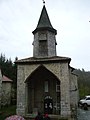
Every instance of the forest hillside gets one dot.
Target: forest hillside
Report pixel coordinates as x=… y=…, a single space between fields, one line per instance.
x=83 y=82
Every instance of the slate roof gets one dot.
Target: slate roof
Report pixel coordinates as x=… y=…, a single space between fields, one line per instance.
x=6 y=79
x=43 y=60
x=44 y=22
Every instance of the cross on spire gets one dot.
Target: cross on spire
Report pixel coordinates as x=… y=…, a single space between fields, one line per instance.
x=43 y=2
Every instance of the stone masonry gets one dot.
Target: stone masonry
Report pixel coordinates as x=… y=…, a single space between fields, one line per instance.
x=5 y=90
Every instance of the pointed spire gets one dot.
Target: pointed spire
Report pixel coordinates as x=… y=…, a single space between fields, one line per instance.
x=44 y=22
x=44 y=19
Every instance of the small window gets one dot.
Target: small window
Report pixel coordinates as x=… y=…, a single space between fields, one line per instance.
x=57 y=88
x=46 y=86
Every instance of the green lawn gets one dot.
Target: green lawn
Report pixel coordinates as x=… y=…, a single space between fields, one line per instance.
x=7 y=111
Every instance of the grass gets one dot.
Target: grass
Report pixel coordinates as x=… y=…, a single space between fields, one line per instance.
x=7 y=111
x=11 y=110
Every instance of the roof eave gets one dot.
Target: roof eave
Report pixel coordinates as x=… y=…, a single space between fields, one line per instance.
x=42 y=61
x=45 y=28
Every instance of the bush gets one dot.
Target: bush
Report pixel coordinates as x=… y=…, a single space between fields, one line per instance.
x=7 y=111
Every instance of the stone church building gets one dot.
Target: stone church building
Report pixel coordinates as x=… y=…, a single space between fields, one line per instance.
x=45 y=82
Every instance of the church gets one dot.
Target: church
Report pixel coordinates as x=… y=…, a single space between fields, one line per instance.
x=46 y=82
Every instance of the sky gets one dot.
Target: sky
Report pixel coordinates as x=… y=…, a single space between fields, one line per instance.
x=18 y=18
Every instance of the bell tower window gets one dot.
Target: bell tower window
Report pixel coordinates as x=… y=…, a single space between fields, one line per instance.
x=43 y=49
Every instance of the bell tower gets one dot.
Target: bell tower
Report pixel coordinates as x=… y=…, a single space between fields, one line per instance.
x=44 y=44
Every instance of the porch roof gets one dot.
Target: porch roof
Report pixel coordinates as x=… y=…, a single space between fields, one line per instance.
x=6 y=79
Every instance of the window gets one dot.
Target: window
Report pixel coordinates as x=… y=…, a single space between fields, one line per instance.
x=57 y=88
x=46 y=86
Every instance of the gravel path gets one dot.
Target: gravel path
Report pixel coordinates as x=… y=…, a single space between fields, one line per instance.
x=83 y=114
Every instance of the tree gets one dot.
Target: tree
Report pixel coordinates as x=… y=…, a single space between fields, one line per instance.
x=83 y=82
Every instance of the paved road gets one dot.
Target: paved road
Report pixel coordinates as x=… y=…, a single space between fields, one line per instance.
x=83 y=114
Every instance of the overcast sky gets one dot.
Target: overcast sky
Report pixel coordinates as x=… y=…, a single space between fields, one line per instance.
x=18 y=18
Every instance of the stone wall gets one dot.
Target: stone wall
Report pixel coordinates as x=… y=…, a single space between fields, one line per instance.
x=74 y=95
x=6 y=93
x=21 y=91
x=51 y=44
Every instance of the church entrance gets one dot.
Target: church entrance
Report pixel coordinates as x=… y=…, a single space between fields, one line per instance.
x=48 y=105
x=42 y=87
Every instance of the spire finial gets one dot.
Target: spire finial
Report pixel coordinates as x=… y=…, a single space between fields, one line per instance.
x=43 y=2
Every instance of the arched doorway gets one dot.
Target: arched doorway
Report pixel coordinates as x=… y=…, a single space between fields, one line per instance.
x=48 y=105
x=43 y=87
